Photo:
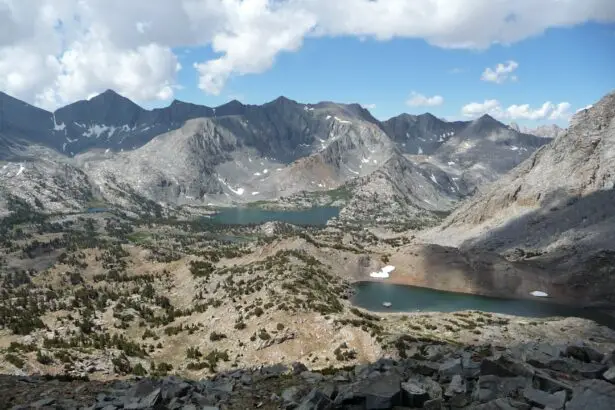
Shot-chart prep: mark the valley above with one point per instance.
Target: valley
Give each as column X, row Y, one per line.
column 234, row 240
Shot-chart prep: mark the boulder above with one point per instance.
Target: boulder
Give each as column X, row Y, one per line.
column 502, row 404
column 541, row 398
column 316, row 400
column 583, row 353
column 448, row 369
column 505, row 366
column 383, row 393
column 592, row 394
column 609, row 375
column 470, row 363
column 490, row 387
column 456, row 392
column 414, row 395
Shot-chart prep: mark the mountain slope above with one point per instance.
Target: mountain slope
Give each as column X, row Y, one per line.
column 265, row 153
column 555, row 212
column 401, row 194
column 236, row 153
column 484, row 150
column 421, row 134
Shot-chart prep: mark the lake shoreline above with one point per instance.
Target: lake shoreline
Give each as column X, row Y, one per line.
column 370, row 294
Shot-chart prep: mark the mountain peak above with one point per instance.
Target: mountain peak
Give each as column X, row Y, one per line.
column 486, row 118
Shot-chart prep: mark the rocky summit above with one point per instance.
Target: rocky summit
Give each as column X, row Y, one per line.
column 430, row 376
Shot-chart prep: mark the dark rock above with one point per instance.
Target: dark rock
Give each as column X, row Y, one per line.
column 102, row 397
column 383, row 393
column 585, row 354
column 423, row 367
column 312, row 377
column 550, row 384
column 449, row 369
column 414, row 395
column 433, row 404
column 609, row 375
column 292, row 394
column 490, row 387
column 172, row 387
column 540, row 354
column 502, row 404
column 505, row 366
column 350, row 395
column 43, row 403
column 433, row 388
column 298, row 368
column 591, row 370
column 538, row 397
column 273, row 371
column 316, row 400
column 592, row 394
column 456, row 392
column 470, row 363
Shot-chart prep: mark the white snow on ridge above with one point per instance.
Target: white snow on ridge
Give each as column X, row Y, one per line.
column 383, row 273
column 255, row 193
column 342, row 121
column 539, row 294
column 58, row 127
column 353, row 171
column 21, row 169
column 238, row 191
column 97, row 130
column 420, row 151
column 433, row 178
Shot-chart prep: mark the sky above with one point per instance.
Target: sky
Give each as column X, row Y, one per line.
column 528, row 61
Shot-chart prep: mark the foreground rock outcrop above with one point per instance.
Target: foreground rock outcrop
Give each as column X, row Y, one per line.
column 430, row 376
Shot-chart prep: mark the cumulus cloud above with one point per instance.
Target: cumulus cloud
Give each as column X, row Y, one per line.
column 419, row 100
column 53, row 51
column 548, row 111
column 501, row 73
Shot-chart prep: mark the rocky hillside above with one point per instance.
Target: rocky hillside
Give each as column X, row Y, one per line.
column 485, row 150
column 554, row 212
column 430, row 376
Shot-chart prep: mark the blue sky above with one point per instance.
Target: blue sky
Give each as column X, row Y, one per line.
column 443, row 55
column 574, row 65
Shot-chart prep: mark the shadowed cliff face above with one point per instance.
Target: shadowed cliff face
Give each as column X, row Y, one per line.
column 554, row 215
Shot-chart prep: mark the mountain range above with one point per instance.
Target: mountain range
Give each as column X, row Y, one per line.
column 108, row 148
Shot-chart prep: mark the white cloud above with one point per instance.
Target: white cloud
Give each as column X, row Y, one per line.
column 548, row 111
column 53, row 51
column 502, row 72
column 369, row 106
column 418, row 100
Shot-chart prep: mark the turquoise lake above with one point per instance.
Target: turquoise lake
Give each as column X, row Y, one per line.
column 371, row 295
column 317, row 216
